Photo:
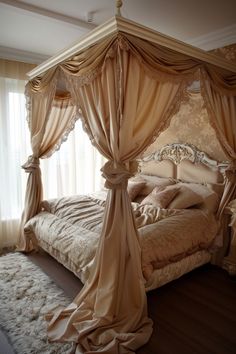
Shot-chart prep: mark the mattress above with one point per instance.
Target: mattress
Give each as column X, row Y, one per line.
column 175, row 270
column 69, row 228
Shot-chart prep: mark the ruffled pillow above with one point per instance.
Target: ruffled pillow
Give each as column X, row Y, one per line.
column 160, row 197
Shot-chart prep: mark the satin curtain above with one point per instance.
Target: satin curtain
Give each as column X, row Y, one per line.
column 123, row 109
column 222, row 112
column 127, row 89
column 51, row 118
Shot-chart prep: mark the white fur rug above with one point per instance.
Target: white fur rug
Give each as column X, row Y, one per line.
column 26, row 295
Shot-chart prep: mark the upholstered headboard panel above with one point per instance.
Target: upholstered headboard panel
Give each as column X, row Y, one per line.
column 184, row 162
column 165, row 168
column 200, row 173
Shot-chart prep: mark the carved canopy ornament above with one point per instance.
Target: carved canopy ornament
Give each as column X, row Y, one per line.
column 178, row 152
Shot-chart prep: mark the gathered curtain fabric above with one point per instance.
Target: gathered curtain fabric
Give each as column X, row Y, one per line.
column 126, row 90
column 12, row 83
column 14, row 69
column 123, row 109
column 221, row 107
column 49, row 118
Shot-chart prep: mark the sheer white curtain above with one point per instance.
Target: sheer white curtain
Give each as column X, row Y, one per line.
column 74, row 169
column 14, row 148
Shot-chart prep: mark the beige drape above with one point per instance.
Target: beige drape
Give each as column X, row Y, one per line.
column 127, row 90
column 221, row 108
column 110, row 312
column 53, row 117
column 14, row 69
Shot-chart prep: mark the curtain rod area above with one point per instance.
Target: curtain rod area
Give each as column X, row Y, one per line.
column 120, row 24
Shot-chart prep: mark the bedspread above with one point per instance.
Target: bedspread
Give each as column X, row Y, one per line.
column 69, row 228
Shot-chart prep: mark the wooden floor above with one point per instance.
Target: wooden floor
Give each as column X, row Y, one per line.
column 195, row 314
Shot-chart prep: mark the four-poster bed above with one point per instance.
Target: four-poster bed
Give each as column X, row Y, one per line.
column 125, row 82
column 173, row 240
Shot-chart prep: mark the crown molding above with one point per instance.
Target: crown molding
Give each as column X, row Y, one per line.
column 100, row 32
column 21, row 55
column 216, row 39
column 48, row 13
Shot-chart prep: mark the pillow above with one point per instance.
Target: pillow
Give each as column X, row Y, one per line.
column 134, row 189
column 210, row 199
column 160, row 197
column 186, row 198
column 218, row 188
column 151, row 182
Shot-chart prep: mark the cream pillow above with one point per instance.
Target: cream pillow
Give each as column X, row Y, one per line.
column 160, row 197
column 151, row 182
column 134, row 189
column 210, row 199
column 186, row 198
column 218, row 188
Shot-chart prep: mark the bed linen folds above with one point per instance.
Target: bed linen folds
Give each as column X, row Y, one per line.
column 69, row 228
column 127, row 90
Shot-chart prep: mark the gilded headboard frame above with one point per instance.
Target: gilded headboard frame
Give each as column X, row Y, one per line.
column 178, row 152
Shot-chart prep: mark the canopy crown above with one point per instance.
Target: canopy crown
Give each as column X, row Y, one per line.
column 119, row 24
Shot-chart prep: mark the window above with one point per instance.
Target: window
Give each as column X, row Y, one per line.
column 74, row 169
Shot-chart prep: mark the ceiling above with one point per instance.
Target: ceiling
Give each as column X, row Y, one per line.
column 33, row 30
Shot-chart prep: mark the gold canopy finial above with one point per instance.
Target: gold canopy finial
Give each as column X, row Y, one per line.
column 119, row 3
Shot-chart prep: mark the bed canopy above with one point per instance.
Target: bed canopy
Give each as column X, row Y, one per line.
column 125, row 82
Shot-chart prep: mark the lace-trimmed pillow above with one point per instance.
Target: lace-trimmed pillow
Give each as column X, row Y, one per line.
column 161, row 197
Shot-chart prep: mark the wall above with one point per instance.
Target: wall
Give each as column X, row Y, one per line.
column 191, row 123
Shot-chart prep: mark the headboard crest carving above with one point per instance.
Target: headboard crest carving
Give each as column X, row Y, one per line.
column 178, row 152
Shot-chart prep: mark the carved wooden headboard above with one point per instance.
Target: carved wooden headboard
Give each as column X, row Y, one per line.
column 175, row 160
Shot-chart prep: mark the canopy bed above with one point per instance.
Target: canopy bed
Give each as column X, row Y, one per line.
column 174, row 237
column 125, row 82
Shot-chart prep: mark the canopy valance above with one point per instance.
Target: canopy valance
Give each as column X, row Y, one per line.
column 125, row 82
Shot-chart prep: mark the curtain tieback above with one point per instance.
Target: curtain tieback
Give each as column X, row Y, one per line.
column 31, row 164
column 116, row 175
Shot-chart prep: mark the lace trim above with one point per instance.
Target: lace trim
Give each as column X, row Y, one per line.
column 29, row 93
column 119, row 81
column 55, row 102
column 122, row 43
column 212, row 120
column 85, row 124
column 85, row 79
column 28, row 106
column 181, row 96
column 71, row 83
column 159, row 74
column 221, row 84
column 162, row 76
column 64, row 137
column 87, row 130
column 172, row 110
